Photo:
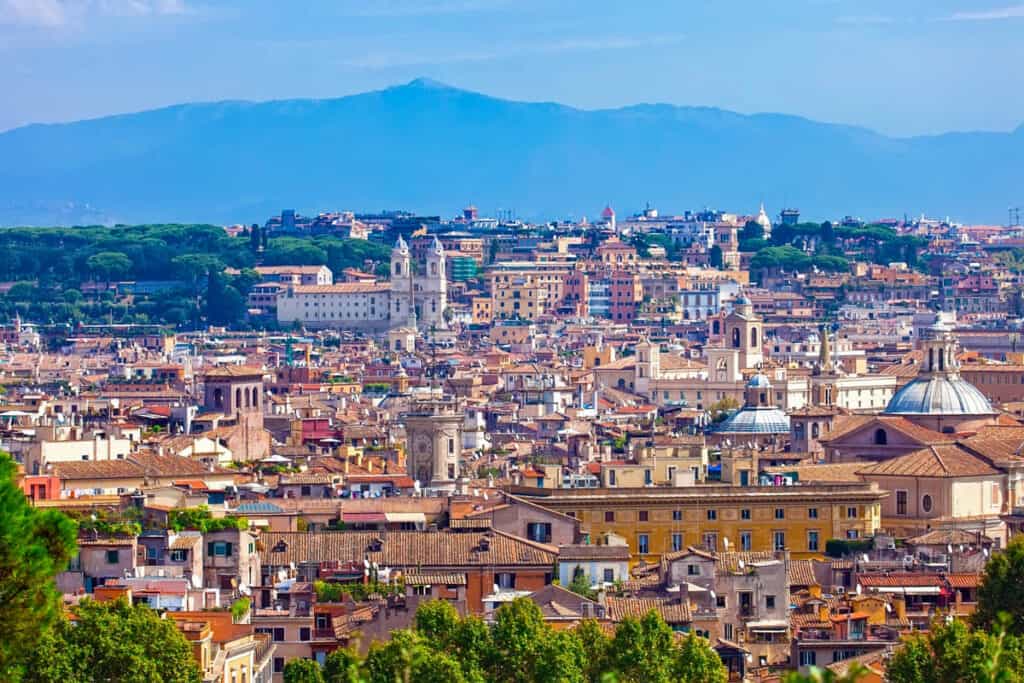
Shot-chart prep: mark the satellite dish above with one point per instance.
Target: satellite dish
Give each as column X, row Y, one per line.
column 485, row 495
column 713, row 595
column 984, row 551
column 742, row 564
column 496, row 588
column 961, row 547
column 244, row 590
column 366, row 563
column 888, row 607
column 949, row 548
column 859, row 589
column 725, row 542
column 866, row 558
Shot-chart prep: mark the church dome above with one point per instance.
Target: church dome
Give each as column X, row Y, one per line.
column 759, row 381
column 763, row 220
column 608, row 212
column 760, row 420
column 741, row 300
column 939, row 395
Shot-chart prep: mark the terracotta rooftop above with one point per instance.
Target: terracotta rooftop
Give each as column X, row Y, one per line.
column 939, row 461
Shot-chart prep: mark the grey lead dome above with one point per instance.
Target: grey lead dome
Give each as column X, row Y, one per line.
column 939, row 395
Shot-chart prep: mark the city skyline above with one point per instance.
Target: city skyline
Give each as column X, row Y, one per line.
column 939, row 66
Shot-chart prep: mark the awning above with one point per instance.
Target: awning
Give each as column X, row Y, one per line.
column 909, row 590
column 362, row 517
column 415, row 517
column 768, row 626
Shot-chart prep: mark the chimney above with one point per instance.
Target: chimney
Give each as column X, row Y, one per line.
column 901, row 607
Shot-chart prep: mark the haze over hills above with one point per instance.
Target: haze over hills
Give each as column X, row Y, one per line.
column 430, row 148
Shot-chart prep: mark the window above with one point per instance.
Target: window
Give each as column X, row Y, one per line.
column 812, row 513
column 609, row 575
column 323, row 620
column 305, row 490
column 720, row 601
column 506, row 580
column 852, row 535
column 780, row 513
column 808, row 658
column 693, row 570
column 278, row 665
column 539, row 531
column 304, row 633
column 812, row 541
column 745, row 513
column 901, row 502
column 881, row 438
column 677, row 515
column 779, row 540
column 611, row 477
column 769, row 602
column 851, row 512
column 609, row 516
column 113, row 557
column 728, row 631
column 746, row 541
column 926, row 503
column 219, row 549
column 711, row 540
column 642, row 515
column 179, row 555
column 643, row 544
column 677, row 542
column 648, row 478
column 712, row 515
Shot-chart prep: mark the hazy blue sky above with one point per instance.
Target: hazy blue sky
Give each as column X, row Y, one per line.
column 899, row 66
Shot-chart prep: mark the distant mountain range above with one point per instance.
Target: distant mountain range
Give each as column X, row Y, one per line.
column 431, row 148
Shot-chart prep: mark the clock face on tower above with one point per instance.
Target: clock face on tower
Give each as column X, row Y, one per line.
column 422, row 446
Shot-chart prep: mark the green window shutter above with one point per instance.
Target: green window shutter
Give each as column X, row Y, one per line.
column 227, row 551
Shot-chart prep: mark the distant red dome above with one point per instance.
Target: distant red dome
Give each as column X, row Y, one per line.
column 608, row 212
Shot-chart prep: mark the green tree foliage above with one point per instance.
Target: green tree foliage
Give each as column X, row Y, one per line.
column 817, row 675
column 303, row 671
column 581, row 584
column 720, row 409
column 113, row 641
column 34, row 546
column 715, row 257
column 521, row 648
column 200, row 519
column 52, row 261
column 109, row 265
column 1000, row 590
column 953, row 652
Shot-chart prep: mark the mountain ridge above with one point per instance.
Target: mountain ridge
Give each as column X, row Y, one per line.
column 428, row 146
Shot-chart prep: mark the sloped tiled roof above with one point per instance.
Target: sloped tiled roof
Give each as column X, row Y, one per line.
column 672, row 611
column 405, row 548
column 937, row 461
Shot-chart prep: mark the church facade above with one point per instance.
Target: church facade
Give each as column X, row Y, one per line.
column 414, row 298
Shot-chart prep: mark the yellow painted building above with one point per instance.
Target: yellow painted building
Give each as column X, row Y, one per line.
column 659, row 520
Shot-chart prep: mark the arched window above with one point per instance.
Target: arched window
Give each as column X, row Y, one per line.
column 715, row 327
column 622, row 383
column 238, row 399
column 398, row 267
column 255, row 397
column 753, row 337
column 942, row 361
column 736, row 337
column 815, row 430
column 926, row 503
column 218, row 398
column 881, row 438
column 433, row 268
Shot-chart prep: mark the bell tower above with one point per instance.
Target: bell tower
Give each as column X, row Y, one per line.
column 433, row 430
column 743, row 333
column 401, row 283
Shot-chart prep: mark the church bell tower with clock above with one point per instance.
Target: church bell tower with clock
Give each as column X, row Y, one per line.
column 433, row 448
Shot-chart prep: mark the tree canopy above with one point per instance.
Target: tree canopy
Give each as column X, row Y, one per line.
column 34, row 546
column 185, row 260
column 520, row 647
column 113, row 641
column 1000, row 590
